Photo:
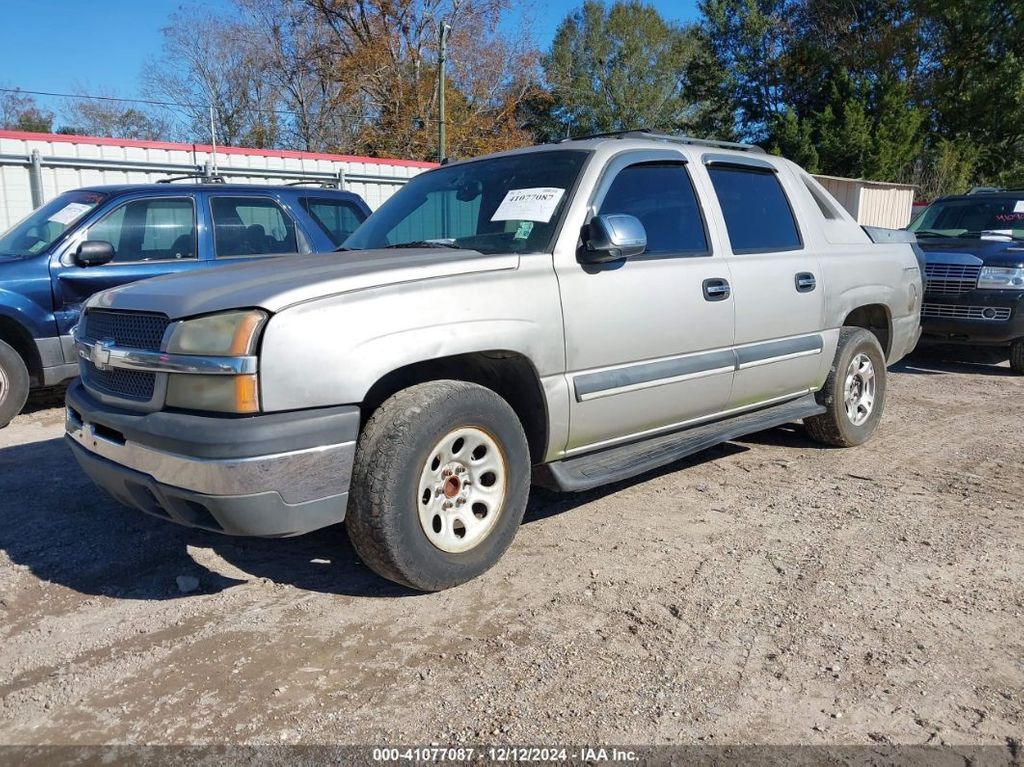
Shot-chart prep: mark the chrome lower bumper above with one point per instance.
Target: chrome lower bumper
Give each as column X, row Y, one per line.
column 298, row 476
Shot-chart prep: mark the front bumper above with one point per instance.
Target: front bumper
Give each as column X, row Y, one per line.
column 271, row 475
column 973, row 330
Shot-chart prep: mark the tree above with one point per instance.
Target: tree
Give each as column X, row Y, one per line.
column 97, row 117
column 620, row 68
column 974, row 84
column 20, row 111
column 210, row 60
column 299, row 62
column 386, row 56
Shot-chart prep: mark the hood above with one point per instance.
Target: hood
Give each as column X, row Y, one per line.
column 277, row 283
column 987, row 252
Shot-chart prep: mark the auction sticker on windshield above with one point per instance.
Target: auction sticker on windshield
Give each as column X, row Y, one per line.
column 534, row 204
column 70, row 212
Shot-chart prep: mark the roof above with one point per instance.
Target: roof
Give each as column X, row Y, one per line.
column 642, row 140
column 176, row 187
column 60, row 138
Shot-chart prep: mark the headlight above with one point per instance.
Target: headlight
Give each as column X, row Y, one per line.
column 221, row 394
column 1001, row 278
column 230, row 334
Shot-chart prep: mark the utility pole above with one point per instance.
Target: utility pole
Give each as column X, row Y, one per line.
column 443, row 29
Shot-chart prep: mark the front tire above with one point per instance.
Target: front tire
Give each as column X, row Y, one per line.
column 854, row 392
column 1017, row 356
column 439, row 486
column 14, row 383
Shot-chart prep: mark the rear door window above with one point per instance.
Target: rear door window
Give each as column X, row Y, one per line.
column 337, row 218
column 756, row 211
column 157, row 229
column 251, row 226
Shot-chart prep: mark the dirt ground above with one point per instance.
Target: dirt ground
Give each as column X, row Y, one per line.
column 766, row 591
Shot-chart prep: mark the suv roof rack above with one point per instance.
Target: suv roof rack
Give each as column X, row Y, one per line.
column 986, row 190
column 204, row 178
column 325, row 184
column 673, row 138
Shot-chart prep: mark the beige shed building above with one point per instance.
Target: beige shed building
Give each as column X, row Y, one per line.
column 872, row 203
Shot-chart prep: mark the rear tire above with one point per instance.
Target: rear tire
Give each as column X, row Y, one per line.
column 439, row 486
column 854, row 392
column 14, row 384
column 1017, row 356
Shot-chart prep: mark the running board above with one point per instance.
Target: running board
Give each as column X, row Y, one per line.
column 624, row 461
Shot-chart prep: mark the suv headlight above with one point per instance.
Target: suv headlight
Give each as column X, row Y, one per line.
column 1001, row 278
column 229, row 334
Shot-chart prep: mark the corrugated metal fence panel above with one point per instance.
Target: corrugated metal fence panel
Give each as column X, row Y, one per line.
column 373, row 179
column 887, row 206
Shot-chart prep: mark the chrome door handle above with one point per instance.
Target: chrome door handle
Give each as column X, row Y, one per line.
column 716, row 289
column 805, row 282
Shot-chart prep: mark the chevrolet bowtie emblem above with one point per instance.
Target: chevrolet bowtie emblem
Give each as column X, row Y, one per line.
column 100, row 354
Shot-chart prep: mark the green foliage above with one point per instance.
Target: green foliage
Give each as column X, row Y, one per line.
column 923, row 91
column 625, row 67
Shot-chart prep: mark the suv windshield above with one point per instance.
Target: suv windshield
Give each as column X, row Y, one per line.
column 45, row 225
column 497, row 205
column 971, row 217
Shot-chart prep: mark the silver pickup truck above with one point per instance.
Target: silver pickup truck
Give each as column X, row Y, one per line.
column 568, row 315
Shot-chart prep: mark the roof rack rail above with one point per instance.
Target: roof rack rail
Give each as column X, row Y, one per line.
column 673, row 138
column 205, row 178
column 325, row 184
column 985, row 190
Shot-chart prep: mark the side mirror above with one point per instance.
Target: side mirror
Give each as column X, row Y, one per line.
column 94, row 253
column 611, row 238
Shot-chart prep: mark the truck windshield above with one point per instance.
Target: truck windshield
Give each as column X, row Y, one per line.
column 971, row 217
column 496, row 205
column 44, row 226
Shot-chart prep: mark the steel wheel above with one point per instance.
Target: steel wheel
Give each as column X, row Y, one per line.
column 859, row 389
column 462, row 489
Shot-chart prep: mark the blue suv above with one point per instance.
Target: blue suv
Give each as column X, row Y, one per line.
column 87, row 240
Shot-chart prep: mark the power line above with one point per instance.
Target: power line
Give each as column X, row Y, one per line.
column 150, row 101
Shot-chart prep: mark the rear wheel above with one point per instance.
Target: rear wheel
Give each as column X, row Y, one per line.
column 14, row 383
column 1017, row 356
column 439, row 485
column 854, row 392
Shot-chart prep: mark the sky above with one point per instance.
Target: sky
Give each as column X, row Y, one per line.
column 100, row 46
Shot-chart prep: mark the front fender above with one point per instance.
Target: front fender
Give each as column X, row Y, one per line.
column 332, row 351
column 36, row 319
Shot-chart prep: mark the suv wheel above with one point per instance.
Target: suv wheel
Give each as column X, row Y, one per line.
column 14, row 383
column 1017, row 356
column 854, row 393
column 439, row 485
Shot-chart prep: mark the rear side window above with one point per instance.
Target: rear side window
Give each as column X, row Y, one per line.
column 160, row 229
column 662, row 197
column 337, row 218
column 251, row 226
column 757, row 214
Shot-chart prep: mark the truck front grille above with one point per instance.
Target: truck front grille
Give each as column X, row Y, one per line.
column 950, row 279
column 132, row 330
column 951, row 312
column 134, row 385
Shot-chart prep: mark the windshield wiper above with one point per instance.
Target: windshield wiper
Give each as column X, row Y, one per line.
column 425, row 244
column 933, row 233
